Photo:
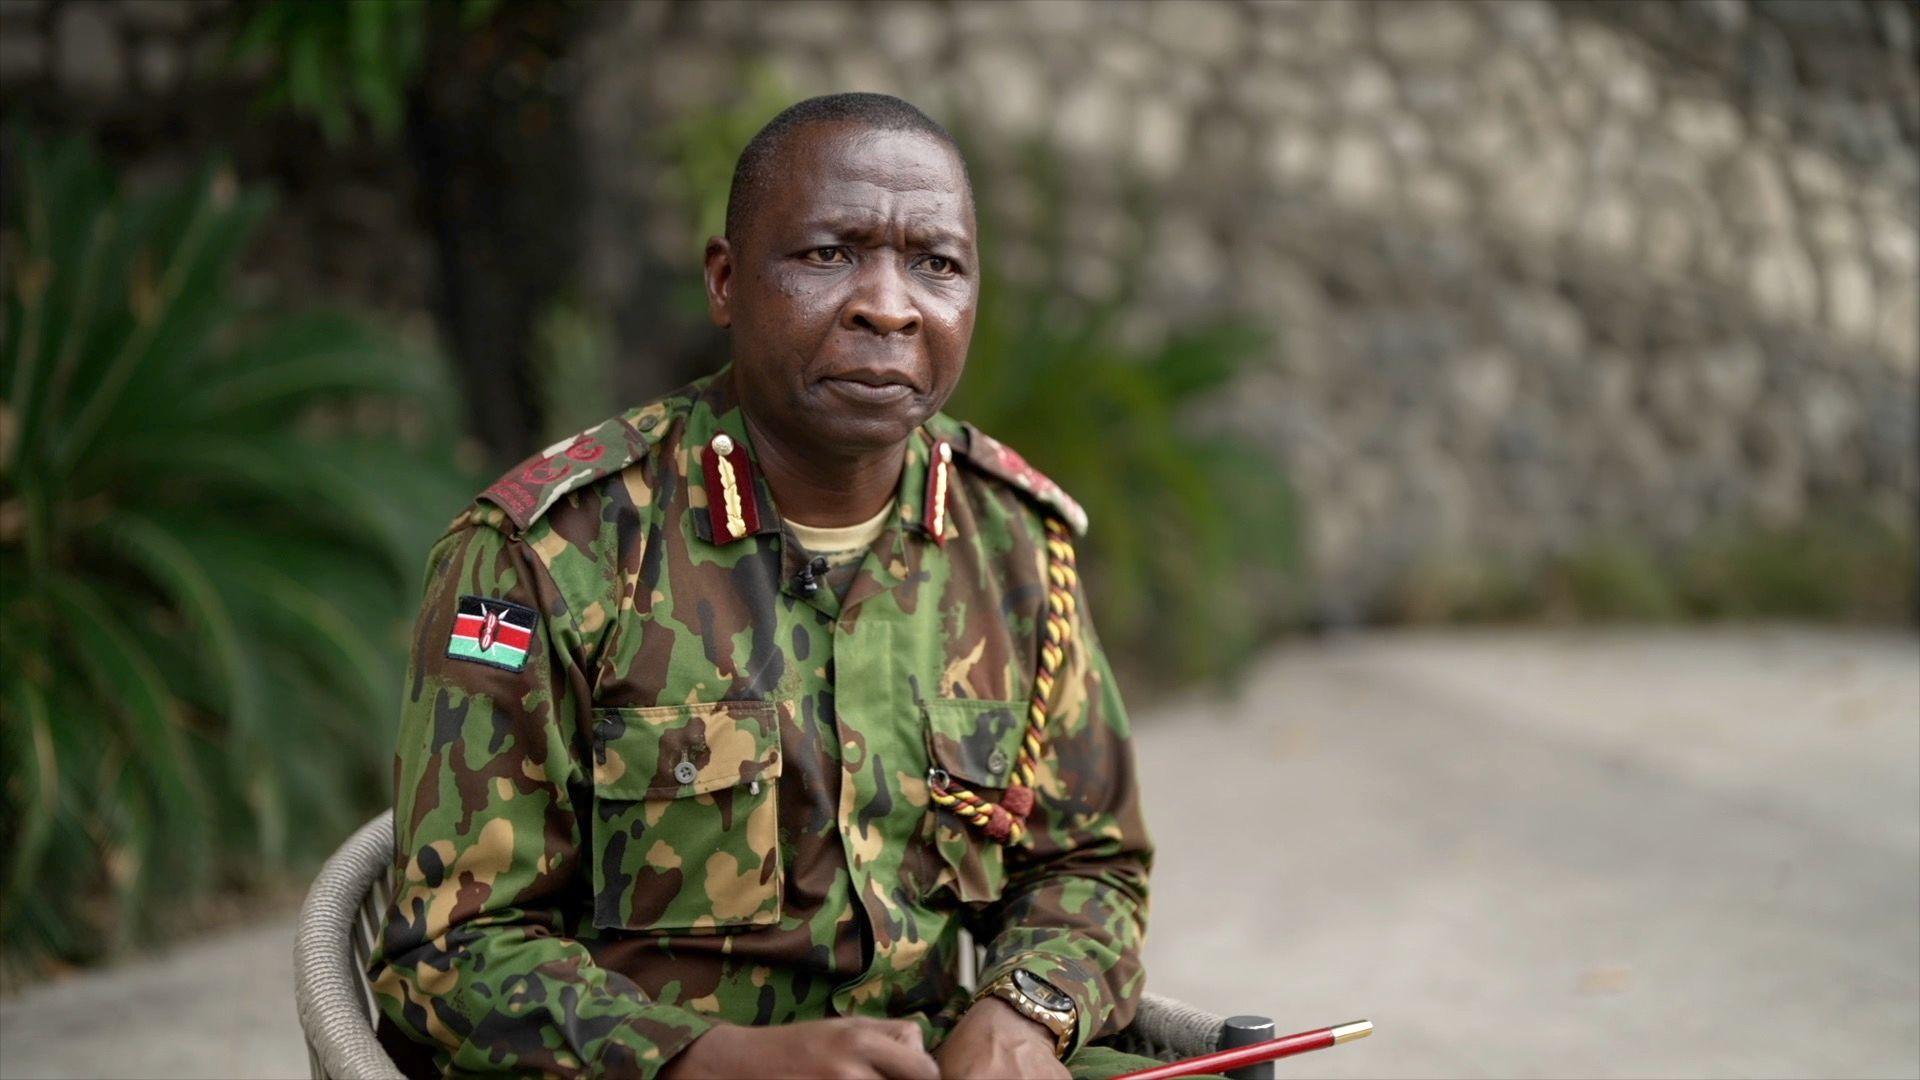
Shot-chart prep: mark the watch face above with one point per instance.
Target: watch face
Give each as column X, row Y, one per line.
column 1041, row 991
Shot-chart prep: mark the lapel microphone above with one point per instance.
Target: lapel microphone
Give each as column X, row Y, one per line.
column 808, row 579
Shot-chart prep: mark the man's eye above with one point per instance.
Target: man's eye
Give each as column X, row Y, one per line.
column 939, row 264
column 828, row 255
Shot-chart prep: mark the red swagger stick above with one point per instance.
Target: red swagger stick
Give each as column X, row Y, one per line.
column 1272, row 1049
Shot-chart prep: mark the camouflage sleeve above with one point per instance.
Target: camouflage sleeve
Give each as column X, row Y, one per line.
column 475, row 959
column 1075, row 907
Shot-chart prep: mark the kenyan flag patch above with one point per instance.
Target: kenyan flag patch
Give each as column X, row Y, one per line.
column 494, row 632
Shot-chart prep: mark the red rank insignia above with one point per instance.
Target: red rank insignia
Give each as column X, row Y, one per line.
column 732, row 507
column 934, row 515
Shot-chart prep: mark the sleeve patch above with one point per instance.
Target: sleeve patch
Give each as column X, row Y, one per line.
column 497, row 633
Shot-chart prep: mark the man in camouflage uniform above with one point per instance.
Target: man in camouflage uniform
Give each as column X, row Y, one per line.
column 678, row 792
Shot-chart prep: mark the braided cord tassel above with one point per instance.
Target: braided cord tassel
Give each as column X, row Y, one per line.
column 1006, row 821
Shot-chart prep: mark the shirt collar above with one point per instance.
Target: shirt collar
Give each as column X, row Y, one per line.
column 731, row 500
column 728, row 495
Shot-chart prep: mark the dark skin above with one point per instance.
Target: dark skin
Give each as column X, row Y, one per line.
column 850, row 293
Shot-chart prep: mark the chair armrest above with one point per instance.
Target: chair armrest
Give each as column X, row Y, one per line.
column 1168, row 1030
column 330, row 991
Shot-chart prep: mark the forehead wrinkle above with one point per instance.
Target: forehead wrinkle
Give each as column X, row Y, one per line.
column 863, row 192
column 908, row 231
column 870, row 162
column 800, row 159
column 889, row 213
column 867, row 150
column 895, row 172
column 866, row 183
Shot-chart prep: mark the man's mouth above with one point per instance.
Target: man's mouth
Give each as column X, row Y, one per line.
column 872, row 387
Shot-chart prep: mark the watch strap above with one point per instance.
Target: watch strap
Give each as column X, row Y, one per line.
column 1062, row 1024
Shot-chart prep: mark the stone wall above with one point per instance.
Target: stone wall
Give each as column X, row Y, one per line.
column 1542, row 274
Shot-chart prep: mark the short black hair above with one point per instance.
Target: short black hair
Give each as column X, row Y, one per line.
column 878, row 112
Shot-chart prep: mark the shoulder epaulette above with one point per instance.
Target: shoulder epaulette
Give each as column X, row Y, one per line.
column 530, row 488
column 1002, row 462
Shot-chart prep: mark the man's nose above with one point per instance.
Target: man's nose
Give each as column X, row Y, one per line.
column 882, row 303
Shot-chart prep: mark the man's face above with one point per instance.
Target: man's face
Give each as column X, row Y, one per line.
column 851, row 289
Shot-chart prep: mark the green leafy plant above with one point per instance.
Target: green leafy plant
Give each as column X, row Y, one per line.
column 1193, row 545
column 1842, row 563
column 697, row 153
column 331, row 60
column 573, row 359
column 1193, row 528
column 701, row 147
column 210, row 525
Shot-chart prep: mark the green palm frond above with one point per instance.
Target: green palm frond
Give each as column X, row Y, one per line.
column 331, row 61
column 33, row 782
column 210, row 522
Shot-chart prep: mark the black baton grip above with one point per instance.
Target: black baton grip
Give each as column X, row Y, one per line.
column 1245, row 1031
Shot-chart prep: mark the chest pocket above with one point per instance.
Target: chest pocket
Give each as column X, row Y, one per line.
column 685, row 826
column 976, row 743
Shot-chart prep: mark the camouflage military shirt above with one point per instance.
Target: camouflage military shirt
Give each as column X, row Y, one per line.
column 648, row 780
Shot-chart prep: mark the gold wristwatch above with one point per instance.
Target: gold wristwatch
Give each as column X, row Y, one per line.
column 1038, row 1000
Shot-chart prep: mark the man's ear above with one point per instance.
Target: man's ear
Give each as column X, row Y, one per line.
column 719, row 275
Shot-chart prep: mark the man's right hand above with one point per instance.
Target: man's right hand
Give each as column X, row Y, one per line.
column 848, row 1048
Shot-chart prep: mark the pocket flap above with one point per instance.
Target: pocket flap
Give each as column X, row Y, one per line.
column 976, row 741
column 674, row 751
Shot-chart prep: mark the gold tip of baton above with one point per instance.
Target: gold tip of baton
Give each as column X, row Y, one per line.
column 1358, row 1029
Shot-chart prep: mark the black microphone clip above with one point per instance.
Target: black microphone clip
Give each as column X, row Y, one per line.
column 808, row 579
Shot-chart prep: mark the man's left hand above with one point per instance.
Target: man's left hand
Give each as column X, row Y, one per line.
column 994, row 1040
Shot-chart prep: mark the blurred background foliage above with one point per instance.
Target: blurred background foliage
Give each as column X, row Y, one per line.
column 212, row 515
column 1194, row 530
column 1842, row 565
column 333, row 62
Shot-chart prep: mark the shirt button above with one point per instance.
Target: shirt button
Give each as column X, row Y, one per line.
column 685, row 772
column 649, row 422
column 722, row 444
column 997, row 761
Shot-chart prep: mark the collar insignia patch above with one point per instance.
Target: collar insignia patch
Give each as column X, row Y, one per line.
column 493, row 632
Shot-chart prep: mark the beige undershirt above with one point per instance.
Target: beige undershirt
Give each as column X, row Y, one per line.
column 843, row 545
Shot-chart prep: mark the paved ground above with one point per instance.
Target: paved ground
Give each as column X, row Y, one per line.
column 1569, row 854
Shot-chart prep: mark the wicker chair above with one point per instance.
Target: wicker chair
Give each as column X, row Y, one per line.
column 340, row 924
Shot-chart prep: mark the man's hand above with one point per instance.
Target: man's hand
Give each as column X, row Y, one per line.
column 994, row 1040
column 849, row 1048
